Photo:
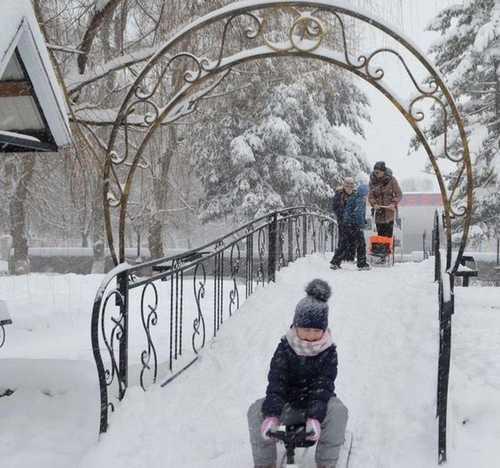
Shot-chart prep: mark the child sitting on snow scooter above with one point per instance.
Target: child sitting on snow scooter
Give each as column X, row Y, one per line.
column 302, row 378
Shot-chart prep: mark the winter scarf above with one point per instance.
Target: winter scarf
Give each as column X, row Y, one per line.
column 308, row 348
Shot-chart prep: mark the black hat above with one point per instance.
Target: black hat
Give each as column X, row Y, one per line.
column 380, row 166
column 312, row 310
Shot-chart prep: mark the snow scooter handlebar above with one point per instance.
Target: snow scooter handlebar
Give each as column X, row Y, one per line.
column 295, row 439
column 292, row 439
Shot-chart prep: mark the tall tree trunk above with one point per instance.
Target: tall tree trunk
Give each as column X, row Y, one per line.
column 85, row 238
column 155, row 238
column 98, row 232
column 17, row 212
column 496, row 127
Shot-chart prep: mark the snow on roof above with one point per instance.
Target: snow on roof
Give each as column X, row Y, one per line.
column 19, row 135
column 21, row 32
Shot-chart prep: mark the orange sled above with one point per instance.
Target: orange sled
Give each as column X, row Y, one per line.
column 378, row 245
column 381, row 247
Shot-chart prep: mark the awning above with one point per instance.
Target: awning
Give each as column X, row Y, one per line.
column 33, row 113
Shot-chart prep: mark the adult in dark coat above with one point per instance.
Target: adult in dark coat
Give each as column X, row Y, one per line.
column 384, row 196
column 338, row 205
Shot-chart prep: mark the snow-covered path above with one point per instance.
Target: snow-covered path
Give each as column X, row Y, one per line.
column 384, row 325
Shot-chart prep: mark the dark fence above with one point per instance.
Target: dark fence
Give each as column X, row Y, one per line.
column 446, row 308
column 150, row 321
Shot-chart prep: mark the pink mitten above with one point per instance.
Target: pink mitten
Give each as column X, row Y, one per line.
column 269, row 423
column 314, row 426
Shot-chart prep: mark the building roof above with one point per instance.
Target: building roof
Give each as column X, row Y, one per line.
column 33, row 111
column 421, row 199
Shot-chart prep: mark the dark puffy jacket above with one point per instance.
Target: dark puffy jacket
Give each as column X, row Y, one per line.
column 355, row 208
column 304, row 382
column 338, row 204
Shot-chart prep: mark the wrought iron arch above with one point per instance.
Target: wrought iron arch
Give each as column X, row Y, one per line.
column 305, row 36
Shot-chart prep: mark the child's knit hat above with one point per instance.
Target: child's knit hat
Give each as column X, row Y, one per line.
column 312, row 310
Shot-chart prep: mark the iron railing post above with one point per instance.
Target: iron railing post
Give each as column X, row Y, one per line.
column 436, row 247
column 122, row 280
column 272, row 245
column 304, row 232
column 290, row 239
column 424, row 252
column 446, row 309
column 333, row 237
column 444, row 372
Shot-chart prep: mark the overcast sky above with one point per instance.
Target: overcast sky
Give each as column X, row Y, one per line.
column 389, row 134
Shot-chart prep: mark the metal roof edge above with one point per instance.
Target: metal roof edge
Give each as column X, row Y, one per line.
column 4, row 60
column 62, row 135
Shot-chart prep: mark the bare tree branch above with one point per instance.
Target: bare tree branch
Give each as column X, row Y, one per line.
column 95, row 24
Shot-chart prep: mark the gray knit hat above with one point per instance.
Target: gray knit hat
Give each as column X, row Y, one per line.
column 312, row 310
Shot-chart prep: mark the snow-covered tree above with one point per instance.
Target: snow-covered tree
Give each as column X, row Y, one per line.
column 288, row 152
column 468, row 55
column 100, row 46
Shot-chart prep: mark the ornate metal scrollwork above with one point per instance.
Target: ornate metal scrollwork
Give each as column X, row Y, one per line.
column 234, row 262
column 305, row 28
column 297, row 223
column 199, row 330
column 2, row 335
column 116, row 335
column 218, row 286
column 262, row 247
column 249, row 260
column 250, row 33
column 149, row 317
column 281, row 242
column 312, row 228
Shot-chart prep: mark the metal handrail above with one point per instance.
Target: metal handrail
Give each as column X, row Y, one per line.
column 241, row 260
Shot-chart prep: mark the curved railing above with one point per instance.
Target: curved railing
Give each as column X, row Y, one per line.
column 150, row 321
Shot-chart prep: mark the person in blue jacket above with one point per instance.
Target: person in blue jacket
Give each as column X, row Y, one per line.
column 342, row 194
column 354, row 220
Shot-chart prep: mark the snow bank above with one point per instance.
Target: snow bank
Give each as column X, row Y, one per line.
column 50, row 420
column 474, row 419
column 387, row 340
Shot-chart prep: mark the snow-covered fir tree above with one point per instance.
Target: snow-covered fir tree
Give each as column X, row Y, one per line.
column 468, row 55
column 284, row 149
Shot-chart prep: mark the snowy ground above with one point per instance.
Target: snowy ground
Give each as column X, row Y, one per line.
column 385, row 326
